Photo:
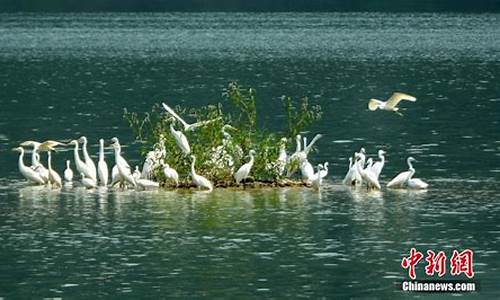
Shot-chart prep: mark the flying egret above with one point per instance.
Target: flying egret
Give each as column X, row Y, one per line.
column 244, row 171
column 198, row 180
column 181, row 140
column 50, row 145
column 379, row 165
column 187, row 127
column 308, row 148
column 122, row 165
column 307, row 170
column 368, row 176
column 54, row 178
column 102, row 166
column 27, row 172
column 88, row 161
column 171, row 174
column 68, row 173
column 390, row 104
column 317, row 179
column 352, row 177
column 81, row 167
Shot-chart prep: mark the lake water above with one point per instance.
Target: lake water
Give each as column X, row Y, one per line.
column 67, row 75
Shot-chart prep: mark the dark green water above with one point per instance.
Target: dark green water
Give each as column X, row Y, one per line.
column 67, row 75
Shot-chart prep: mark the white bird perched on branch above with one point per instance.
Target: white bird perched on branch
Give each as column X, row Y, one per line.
column 27, row 172
column 391, row 103
column 244, row 171
column 187, row 127
column 181, row 140
column 102, row 166
column 198, row 180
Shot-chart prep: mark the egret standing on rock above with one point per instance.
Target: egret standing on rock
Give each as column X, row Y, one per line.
column 198, row 180
column 390, row 104
column 244, row 171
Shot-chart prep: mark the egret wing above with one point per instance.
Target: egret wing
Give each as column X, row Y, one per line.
column 202, row 123
column 398, row 97
column 399, row 180
column 175, row 115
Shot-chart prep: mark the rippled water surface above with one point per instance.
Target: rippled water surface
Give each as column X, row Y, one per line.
column 67, row 75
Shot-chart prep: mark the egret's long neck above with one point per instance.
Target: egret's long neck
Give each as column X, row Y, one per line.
column 49, row 160
column 67, row 164
column 410, row 166
column 21, row 157
column 350, row 162
column 75, row 151
column 117, row 153
column 382, row 158
column 34, row 157
column 192, row 166
column 314, row 140
column 101, row 150
column 84, row 148
column 297, row 141
column 251, row 159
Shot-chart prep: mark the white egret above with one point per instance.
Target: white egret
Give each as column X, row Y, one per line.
column 54, row 178
column 102, row 166
column 181, row 140
column 147, row 184
column 148, row 165
column 68, row 173
column 187, row 127
column 171, row 174
column 368, row 176
column 361, row 155
column 391, row 103
column 81, row 167
column 352, row 177
column 295, row 159
column 35, row 160
column 402, row 178
column 406, row 178
column 27, row 172
column 317, row 179
column 198, row 180
column 244, row 171
column 282, row 157
column 116, row 177
column 307, row 170
column 379, row 165
column 369, row 164
column 87, row 182
column 122, row 165
column 88, row 161
column 137, row 173
column 324, row 170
